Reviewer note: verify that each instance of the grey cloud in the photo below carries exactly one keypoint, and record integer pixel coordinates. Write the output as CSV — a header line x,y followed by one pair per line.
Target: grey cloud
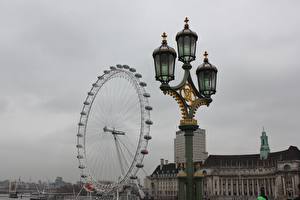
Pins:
x,y
4,105
51,53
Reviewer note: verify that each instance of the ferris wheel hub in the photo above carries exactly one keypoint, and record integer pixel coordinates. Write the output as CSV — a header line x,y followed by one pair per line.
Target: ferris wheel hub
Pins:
x,y
113,131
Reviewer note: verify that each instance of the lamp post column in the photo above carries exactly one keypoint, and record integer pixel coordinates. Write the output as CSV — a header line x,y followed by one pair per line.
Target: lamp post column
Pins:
x,y
198,179
189,169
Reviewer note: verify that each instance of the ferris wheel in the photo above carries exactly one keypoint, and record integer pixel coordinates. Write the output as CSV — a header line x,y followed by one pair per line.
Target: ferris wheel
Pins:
x,y
113,130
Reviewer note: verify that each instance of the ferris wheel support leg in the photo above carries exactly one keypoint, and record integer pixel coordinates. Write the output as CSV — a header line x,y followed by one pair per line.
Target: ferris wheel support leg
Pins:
x,y
119,155
79,193
117,194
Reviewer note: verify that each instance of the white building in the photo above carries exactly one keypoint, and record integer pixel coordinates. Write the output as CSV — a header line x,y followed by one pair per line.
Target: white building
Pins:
x,y
162,184
233,177
229,177
199,146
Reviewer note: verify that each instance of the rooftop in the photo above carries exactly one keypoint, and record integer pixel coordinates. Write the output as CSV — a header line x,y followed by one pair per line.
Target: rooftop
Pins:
x,y
292,153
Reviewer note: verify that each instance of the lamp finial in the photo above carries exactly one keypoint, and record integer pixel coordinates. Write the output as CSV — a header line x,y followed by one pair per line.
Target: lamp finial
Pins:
x,y
186,20
205,56
164,38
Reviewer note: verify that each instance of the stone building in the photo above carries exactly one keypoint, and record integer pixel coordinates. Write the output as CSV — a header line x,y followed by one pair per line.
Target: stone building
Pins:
x,y
242,176
162,183
236,177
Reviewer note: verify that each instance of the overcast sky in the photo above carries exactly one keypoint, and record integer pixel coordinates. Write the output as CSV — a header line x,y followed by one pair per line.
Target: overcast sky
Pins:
x,y
52,51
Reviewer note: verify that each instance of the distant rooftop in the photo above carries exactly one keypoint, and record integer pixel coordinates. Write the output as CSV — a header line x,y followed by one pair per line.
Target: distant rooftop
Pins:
x,y
292,153
166,169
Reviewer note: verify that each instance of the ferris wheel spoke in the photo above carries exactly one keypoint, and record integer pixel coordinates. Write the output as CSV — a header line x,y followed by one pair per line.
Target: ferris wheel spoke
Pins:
x,y
131,102
125,98
104,150
130,117
101,161
128,100
97,118
112,98
92,133
107,168
92,149
120,95
128,127
131,137
97,164
130,105
122,91
99,114
129,112
125,109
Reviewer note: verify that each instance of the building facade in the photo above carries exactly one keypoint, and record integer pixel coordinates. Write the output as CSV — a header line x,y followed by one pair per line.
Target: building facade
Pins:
x,y
242,176
162,184
235,177
199,146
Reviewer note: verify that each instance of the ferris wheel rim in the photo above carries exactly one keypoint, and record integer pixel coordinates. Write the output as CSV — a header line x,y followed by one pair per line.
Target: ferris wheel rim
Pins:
x,y
144,136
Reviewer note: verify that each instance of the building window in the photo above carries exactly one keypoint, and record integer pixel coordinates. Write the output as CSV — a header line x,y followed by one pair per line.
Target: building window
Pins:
x,y
287,167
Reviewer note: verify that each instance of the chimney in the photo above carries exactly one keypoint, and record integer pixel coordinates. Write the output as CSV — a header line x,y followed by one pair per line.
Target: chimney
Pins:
x,y
161,163
166,162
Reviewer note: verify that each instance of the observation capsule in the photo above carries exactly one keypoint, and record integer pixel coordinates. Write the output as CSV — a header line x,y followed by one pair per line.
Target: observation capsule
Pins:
x,y
144,151
147,137
139,165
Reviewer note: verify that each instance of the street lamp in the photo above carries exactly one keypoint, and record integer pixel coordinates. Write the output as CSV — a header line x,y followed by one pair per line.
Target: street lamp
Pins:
x,y
188,97
164,57
207,77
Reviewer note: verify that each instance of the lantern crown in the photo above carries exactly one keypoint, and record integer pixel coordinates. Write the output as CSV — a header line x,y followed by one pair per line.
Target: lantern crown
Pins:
x,y
164,47
186,31
206,65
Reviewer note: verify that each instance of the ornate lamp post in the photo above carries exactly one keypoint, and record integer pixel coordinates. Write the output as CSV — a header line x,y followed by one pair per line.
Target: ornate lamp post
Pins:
x,y
188,97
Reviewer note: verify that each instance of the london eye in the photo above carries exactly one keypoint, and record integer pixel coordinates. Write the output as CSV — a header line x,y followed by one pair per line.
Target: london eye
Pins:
x,y
113,130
